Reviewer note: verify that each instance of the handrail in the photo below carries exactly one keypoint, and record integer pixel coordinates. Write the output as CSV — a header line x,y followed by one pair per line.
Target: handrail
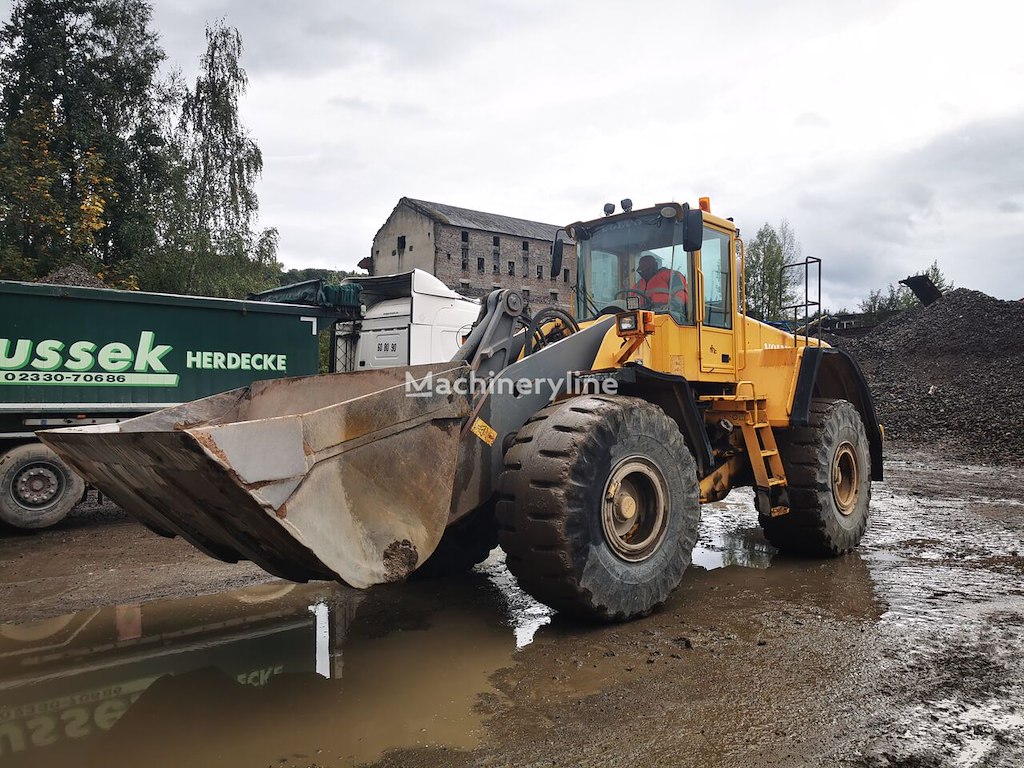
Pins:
x,y
806,304
741,294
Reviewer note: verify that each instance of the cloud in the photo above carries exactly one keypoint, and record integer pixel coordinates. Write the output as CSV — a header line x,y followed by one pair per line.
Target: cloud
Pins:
x,y
811,120
312,37
952,200
887,133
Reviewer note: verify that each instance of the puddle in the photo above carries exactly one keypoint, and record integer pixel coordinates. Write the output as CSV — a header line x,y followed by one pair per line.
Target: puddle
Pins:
x,y
729,534
948,570
526,615
281,674
938,563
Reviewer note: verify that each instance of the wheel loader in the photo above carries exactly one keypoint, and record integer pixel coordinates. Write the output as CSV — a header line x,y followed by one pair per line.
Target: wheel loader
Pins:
x,y
584,442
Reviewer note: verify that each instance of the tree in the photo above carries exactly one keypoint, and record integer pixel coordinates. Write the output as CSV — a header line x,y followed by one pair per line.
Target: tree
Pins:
x,y
104,165
81,163
938,279
208,244
287,277
881,305
767,285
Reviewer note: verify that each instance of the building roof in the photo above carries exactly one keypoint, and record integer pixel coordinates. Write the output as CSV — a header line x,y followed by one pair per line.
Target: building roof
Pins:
x,y
488,222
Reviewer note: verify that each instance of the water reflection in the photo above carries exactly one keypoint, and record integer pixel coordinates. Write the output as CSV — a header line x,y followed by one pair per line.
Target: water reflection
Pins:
x,y
745,548
729,534
280,674
526,615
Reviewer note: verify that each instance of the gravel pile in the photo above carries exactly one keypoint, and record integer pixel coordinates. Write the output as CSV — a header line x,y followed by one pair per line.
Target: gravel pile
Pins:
x,y
73,274
951,376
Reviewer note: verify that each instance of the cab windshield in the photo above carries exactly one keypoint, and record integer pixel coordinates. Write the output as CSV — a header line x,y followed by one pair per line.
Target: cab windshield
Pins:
x,y
639,258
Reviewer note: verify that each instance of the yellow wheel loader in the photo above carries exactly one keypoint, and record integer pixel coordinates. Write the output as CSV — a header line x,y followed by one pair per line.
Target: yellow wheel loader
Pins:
x,y
584,444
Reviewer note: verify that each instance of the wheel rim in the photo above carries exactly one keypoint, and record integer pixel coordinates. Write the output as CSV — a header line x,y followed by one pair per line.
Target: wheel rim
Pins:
x,y
634,509
38,485
845,478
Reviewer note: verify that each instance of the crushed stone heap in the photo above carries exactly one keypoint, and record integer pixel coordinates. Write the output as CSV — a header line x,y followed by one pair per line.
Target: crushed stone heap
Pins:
x,y
73,274
950,377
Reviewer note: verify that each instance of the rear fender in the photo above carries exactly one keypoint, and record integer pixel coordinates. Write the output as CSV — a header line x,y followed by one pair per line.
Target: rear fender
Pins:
x,y
833,373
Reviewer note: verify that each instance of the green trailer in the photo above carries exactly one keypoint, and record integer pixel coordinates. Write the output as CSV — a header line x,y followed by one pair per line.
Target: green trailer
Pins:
x,y
78,356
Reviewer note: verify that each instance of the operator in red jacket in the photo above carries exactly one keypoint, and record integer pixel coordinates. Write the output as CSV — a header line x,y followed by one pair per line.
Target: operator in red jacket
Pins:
x,y
658,282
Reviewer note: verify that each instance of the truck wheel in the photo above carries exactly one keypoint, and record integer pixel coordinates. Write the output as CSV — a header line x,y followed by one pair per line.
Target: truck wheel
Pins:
x,y
829,473
598,507
37,489
463,545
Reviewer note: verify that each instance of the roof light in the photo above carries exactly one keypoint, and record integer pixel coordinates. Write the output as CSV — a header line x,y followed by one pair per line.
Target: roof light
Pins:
x,y
705,204
609,209
627,205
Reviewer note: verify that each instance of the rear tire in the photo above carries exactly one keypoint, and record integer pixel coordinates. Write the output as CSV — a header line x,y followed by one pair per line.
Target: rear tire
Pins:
x,y
828,469
599,507
37,489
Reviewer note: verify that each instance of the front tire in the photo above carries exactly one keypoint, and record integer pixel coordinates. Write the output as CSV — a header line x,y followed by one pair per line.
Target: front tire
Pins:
x,y
599,507
37,489
828,469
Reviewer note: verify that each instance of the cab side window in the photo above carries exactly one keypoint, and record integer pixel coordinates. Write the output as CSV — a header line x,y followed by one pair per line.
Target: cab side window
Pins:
x,y
716,266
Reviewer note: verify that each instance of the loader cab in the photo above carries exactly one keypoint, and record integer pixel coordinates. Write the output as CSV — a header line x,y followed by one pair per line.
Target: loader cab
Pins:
x,y
637,260
693,289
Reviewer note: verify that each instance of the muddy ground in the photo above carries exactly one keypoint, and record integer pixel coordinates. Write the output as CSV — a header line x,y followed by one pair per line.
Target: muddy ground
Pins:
x,y
908,653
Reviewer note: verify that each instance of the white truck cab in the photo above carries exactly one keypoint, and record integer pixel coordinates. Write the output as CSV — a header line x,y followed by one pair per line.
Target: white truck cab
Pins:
x,y
410,318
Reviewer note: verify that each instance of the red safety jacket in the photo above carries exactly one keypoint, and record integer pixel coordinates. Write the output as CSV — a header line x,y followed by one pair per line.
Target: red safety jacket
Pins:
x,y
659,286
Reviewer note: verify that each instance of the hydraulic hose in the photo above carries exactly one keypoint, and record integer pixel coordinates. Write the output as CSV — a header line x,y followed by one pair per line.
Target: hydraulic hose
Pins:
x,y
543,316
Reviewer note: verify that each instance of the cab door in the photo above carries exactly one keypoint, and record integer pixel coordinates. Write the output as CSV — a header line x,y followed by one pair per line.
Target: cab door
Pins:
x,y
715,297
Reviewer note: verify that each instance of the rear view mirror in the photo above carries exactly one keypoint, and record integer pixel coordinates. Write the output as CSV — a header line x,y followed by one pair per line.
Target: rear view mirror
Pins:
x,y
557,249
693,228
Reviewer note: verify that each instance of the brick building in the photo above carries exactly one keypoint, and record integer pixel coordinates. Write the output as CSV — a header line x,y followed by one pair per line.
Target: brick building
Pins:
x,y
473,252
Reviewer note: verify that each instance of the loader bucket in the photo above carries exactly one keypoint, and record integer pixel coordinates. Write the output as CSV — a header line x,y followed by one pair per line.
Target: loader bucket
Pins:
x,y
341,476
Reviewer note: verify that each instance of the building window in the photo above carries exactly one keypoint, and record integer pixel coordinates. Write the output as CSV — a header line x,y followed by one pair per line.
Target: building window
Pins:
x,y
497,269
526,246
526,265
511,269
401,242
554,296
497,241
480,264
565,275
465,259
540,271
465,237
526,294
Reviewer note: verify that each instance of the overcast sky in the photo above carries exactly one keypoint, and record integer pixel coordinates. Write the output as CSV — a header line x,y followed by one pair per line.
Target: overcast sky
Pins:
x,y
889,134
